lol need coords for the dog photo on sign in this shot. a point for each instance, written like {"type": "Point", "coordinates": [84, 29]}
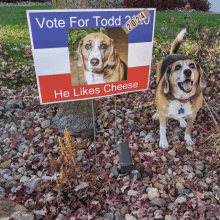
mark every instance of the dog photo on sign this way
{"type": "Point", "coordinates": [97, 55]}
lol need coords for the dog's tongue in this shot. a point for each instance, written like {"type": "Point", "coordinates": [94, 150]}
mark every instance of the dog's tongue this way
{"type": "Point", "coordinates": [187, 85]}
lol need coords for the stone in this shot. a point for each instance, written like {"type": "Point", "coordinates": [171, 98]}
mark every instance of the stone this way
{"type": "Point", "coordinates": [169, 171]}
{"type": "Point", "coordinates": [172, 153]}
{"type": "Point", "coordinates": [45, 124]}
{"type": "Point", "coordinates": [153, 193]}
{"type": "Point", "coordinates": [24, 179]}
{"type": "Point", "coordinates": [17, 177]}
{"type": "Point", "coordinates": [203, 185]}
{"type": "Point", "coordinates": [158, 214]}
{"type": "Point", "coordinates": [108, 165]}
{"type": "Point", "coordinates": [21, 149]}
{"type": "Point", "coordinates": [199, 173]}
{"type": "Point", "coordinates": [159, 186]}
{"type": "Point", "coordinates": [114, 170]}
{"type": "Point", "coordinates": [168, 217]}
{"type": "Point", "coordinates": [76, 117]}
{"type": "Point", "coordinates": [179, 186]}
{"type": "Point", "coordinates": [143, 133]}
{"type": "Point", "coordinates": [21, 170]}
{"type": "Point", "coordinates": [158, 202]}
{"type": "Point", "coordinates": [118, 216]}
{"type": "Point", "coordinates": [172, 206]}
{"type": "Point", "coordinates": [172, 192]}
{"type": "Point", "coordinates": [2, 192]}
{"type": "Point", "coordinates": [109, 215]}
{"type": "Point", "coordinates": [216, 190]}
{"type": "Point", "coordinates": [148, 138]}
{"type": "Point", "coordinates": [4, 171]}
{"type": "Point", "coordinates": [12, 103]}
{"type": "Point", "coordinates": [9, 208]}
{"type": "Point", "coordinates": [183, 191]}
{"type": "Point", "coordinates": [10, 184]}
{"type": "Point", "coordinates": [129, 217]}
{"type": "Point", "coordinates": [13, 128]}
{"type": "Point", "coordinates": [80, 152]}
{"type": "Point", "coordinates": [6, 164]}
{"type": "Point", "coordinates": [208, 180]}
{"type": "Point", "coordinates": [164, 159]}
{"type": "Point", "coordinates": [124, 210]}
{"type": "Point", "coordinates": [49, 131]}
{"type": "Point", "coordinates": [180, 200]}
{"type": "Point", "coordinates": [199, 165]}
{"type": "Point", "coordinates": [12, 153]}
{"type": "Point", "coordinates": [37, 129]}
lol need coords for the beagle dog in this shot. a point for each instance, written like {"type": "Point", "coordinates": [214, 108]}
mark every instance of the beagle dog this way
{"type": "Point", "coordinates": [98, 57]}
{"type": "Point", "coordinates": [180, 81]}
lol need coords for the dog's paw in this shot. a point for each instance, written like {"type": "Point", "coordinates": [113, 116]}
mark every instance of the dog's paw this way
{"type": "Point", "coordinates": [163, 143]}
{"type": "Point", "coordinates": [183, 123]}
{"type": "Point", "coordinates": [155, 116]}
{"type": "Point", "coordinates": [188, 140]}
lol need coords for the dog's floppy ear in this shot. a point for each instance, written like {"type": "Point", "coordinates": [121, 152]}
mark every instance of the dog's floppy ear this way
{"type": "Point", "coordinates": [202, 82]}
{"type": "Point", "coordinates": [111, 58]}
{"type": "Point", "coordinates": [80, 59]}
{"type": "Point", "coordinates": [166, 86]}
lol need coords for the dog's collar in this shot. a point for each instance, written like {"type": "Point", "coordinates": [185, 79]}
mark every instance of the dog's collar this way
{"type": "Point", "coordinates": [182, 100]}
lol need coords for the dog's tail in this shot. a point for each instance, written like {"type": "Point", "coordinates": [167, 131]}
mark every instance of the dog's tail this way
{"type": "Point", "coordinates": [177, 42]}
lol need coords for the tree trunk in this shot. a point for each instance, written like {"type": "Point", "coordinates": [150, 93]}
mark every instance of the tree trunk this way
{"type": "Point", "coordinates": [77, 115]}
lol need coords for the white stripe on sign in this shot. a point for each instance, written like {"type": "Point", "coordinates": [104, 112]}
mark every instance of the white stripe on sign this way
{"type": "Point", "coordinates": [51, 61]}
{"type": "Point", "coordinates": [139, 54]}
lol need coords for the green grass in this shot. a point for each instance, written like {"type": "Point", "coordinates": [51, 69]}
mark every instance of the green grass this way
{"type": "Point", "coordinates": [164, 20]}
{"type": "Point", "coordinates": [14, 33]}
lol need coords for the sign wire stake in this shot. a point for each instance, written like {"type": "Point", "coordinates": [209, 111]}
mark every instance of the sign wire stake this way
{"type": "Point", "coordinates": [94, 130]}
{"type": "Point", "coordinates": [115, 124]}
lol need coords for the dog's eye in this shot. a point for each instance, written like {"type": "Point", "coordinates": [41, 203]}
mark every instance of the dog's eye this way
{"type": "Point", "coordinates": [103, 46]}
{"type": "Point", "coordinates": [178, 67]}
{"type": "Point", "coordinates": [88, 46]}
{"type": "Point", "coordinates": [192, 65]}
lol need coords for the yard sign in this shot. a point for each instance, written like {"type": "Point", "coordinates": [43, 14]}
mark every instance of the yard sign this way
{"type": "Point", "coordinates": [49, 40]}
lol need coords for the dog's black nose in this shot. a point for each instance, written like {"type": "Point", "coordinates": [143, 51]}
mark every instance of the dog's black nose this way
{"type": "Point", "coordinates": [187, 72]}
{"type": "Point", "coordinates": [94, 62]}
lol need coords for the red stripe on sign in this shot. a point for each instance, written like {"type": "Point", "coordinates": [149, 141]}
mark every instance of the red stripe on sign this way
{"type": "Point", "coordinates": [56, 88]}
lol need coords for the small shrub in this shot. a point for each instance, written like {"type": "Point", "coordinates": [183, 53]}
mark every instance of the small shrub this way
{"type": "Point", "coordinates": [200, 5]}
{"type": "Point", "coordinates": [16, 1]}
{"type": "Point", "coordinates": [160, 5]}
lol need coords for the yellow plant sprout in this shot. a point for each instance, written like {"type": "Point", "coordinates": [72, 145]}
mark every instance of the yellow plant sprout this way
{"type": "Point", "coordinates": [52, 163]}
{"type": "Point", "coordinates": [68, 149]}
{"type": "Point", "coordinates": [61, 177]}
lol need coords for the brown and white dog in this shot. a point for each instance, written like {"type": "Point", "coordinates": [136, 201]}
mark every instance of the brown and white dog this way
{"type": "Point", "coordinates": [180, 81]}
{"type": "Point", "coordinates": [100, 60]}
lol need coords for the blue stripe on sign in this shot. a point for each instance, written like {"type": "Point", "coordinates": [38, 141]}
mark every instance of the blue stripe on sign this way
{"type": "Point", "coordinates": [49, 29]}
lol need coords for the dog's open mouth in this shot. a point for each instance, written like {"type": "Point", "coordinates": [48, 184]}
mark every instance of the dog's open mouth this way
{"type": "Point", "coordinates": [186, 86]}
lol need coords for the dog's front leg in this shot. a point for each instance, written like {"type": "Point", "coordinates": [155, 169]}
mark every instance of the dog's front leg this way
{"type": "Point", "coordinates": [188, 131]}
{"type": "Point", "coordinates": [163, 138]}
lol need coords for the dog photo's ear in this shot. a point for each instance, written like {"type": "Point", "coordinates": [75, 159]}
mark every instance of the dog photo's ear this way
{"type": "Point", "coordinates": [111, 58]}
{"type": "Point", "coordinates": [202, 82]}
{"type": "Point", "coordinates": [80, 59]}
{"type": "Point", "coordinates": [166, 80]}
